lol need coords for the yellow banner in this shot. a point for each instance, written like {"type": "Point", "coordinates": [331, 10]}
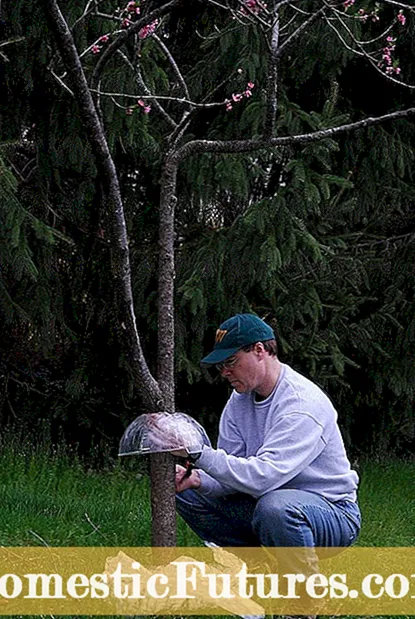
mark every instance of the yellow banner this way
{"type": "Point", "coordinates": [207, 581]}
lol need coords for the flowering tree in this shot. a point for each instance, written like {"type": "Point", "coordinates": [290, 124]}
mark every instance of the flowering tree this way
{"type": "Point", "coordinates": [136, 45]}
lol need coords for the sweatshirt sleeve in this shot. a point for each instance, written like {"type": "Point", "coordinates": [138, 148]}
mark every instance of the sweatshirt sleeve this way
{"type": "Point", "coordinates": [230, 440]}
{"type": "Point", "coordinates": [209, 486]}
{"type": "Point", "coordinates": [293, 442]}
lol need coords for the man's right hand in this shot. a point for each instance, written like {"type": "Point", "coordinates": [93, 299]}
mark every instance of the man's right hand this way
{"type": "Point", "coordinates": [183, 482]}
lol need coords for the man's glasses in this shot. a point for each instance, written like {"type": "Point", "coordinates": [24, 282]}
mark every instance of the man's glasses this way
{"type": "Point", "coordinates": [226, 365]}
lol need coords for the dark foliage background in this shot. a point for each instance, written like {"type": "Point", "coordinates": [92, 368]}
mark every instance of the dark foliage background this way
{"type": "Point", "coordinates": [318, 239]}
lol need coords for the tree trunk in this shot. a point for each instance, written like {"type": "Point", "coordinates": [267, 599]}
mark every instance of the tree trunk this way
{"type": "Point", "coordinates": [163, 498]}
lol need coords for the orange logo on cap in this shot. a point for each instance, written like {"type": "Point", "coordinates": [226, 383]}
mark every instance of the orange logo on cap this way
{"type": "Point", "coordinates": [220, 334]}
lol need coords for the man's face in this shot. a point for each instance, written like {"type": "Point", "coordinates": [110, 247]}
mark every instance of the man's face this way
{"type": "Point", "coordinates": [244, 370]}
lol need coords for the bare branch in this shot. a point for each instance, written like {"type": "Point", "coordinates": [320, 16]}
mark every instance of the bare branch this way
{"type": "Point", "coordinates": [339, 36]}
{"type": "Point", "coordinates": [177, 134]}
{"type": "Point", "coordinates": [143, 86]}
{"type": "Point", "coordinates": [90, 6]}
{"type": "Point", "coordinates": [11, 41]}
{"type": "Point", "coordinates": [288, 24]}
{"type": "Point", "coordinates": [126, 34]}
{"type": "Point", "coordinates": [174, 65]}
{"type": "Point", "coordinates": [254, 16]}
{"type": "Point", "coordinates": [365, 54]}
{"type": "Point", "coordinates": [339, 15]}
{"type": "Point", "coordinates": [160, 98]}
{"type": "Point", "coordinates": [272, 79]}
{"type": "Point", "coordinates": [400, 5]}
{"type": "Point", "coordinates": [221, 6]}
{"type": "Point", "coordinates": [299, 31]}
{"type": "Point", "coordinates": [246, 146]}
{"type": "Point", "coordinates": [284, 2]}
{"type": "Point", "coordinates": [61, 82]}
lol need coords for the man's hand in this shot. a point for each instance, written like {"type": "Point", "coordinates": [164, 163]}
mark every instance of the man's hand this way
{"type": "Point", "coordinates": [183, 482]}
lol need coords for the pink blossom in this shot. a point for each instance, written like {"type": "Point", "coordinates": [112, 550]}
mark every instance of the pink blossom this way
{"type": "Point", "coordinates": [248, 93]}
{"type": "Point", "coordinates": [145, 106]}
{"type": "Point", "coordinates": [104, 38]}
{"type": "Point", "coordinates": [228, 105]}
{"type": "Point", "coordinates": [129, 111]}
{"type": "Point", "coordinates": [253, 6]}
{"type": "Point", "coordinates": [148, 29]}
{"type": "Point", "coordinates": [131, 6]}
{"type": "Point", "coordinates": [125, 23]}
{"type": "Point", "coordinates": [401, 18]}
{"type": "Point", "coordinates": [375, 17]}
{"type": "Point", "coordinates": [138, 10]}
{"type": "Point", "coordinates": [250, 85]}
{"type": "Point", "coordinates": [348, 3]}
{"type": "Point", "coordinates": [95, 49]}
{"type": "Point", "coordinates": [397, 70]}
{"type": "Point", "coordinates": [236, 97]}
{"type": "Point", "coordinates": [390, 39]}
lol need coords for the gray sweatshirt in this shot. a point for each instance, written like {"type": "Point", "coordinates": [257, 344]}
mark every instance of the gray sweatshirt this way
{"type": "Point", "coordinates": [289, 440]}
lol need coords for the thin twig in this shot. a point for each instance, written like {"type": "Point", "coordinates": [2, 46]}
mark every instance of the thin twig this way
{"type": "Point", "coordinates": [95, 527]}
{"type": "Point", "coordinates": [126, 34]}
{"type": "Point", "coordinates": [39, 538]}
{"type": "Point", "coordinates": [299, 31]}
{"type": "Point", "coordinates": [339, 16]}
{"type": "Point", "coordinates": [61, 82]}
{"type": "Point", "coordinates": [142, 85]}
{"type": "Point", "coordinates": [173, 64]}
{"type": "Point", "coordinates": [159, 98]}
{"type": "Point", "coordinates": [364, 53]}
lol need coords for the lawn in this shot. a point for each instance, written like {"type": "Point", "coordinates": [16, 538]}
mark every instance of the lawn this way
{"type": "Point", "coordinates": [49, 497]}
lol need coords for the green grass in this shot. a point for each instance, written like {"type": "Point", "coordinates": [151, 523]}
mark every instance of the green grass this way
{"type": "Point", "coordinates": [49, 497]}
{"type": "Point", "coordinates": [387, 501]}
{"type": "Point", "coordinates": [48, 494]}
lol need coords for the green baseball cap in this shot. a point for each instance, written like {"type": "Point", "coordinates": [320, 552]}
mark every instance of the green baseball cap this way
{"type": "Point", "coordinates": [236, 332]}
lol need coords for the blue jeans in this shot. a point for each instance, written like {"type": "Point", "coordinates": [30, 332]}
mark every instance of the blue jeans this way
{"type": "Point", "coordinates": [280, 518]}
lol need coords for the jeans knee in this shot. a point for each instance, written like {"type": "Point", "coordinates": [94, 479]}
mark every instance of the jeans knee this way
{"type": "Point", "coordinates": [277, 521]}
{"type": "Point", "coordinates": [268, 511]}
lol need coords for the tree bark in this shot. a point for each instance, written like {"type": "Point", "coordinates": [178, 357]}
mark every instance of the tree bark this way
{"type": "Point", "coordinates": [163, 497]}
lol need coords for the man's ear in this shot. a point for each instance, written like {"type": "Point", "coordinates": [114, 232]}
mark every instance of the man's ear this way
{"type": "Point", "coordinates": [259, 350]}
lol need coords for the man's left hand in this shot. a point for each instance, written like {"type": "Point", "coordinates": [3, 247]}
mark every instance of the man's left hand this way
{"type": "Point", "coordinates": [184, 482]}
